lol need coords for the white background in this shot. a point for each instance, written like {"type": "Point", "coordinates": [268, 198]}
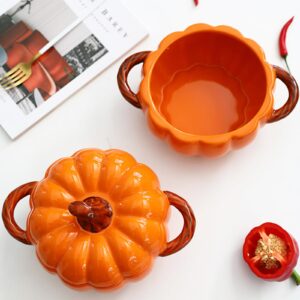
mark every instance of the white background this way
{"type": "Point", "coordinates": [229, 195]}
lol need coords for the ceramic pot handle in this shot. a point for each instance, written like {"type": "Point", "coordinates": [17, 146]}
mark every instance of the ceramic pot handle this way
{"type": "Point", "coordinates": [124, 70]}
{"type": "Point", "coordinates": [189, 225]}
{"type": "Point", "coordinates": [293, 89]}
{"type": "Point", "coordinates": [9, 208]}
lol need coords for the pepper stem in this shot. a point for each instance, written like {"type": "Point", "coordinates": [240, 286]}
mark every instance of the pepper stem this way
{"type": "Point", "coordinates": [287, 65]}
{"type": "Point", "coordinates": [295, 275]}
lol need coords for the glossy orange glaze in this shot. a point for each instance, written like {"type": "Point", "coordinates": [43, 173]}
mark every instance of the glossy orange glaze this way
{"type": "Point", "coordinates": [125, 249]}
{"type": "Point", "coordinates": [204, 100]}
{"type": "Point", "coordinates": [207, 89]}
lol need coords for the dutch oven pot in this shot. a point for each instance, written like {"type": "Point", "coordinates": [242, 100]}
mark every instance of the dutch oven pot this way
{"type": "Point", "coordinates": [98, 218]}
{"type": "Point", "coordinates": [207, 90]}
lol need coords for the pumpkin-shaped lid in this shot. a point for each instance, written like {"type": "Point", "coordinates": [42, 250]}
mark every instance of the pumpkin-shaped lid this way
{"type": "Point", "coordinates": [97, 218]}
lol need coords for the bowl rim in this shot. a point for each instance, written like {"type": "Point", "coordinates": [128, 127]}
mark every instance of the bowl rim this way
{"type": "Point", "coordinates": [160, 121]}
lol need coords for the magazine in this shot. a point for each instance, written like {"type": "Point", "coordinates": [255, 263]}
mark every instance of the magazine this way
{"type": "Point", "coordinates": [105, 33]}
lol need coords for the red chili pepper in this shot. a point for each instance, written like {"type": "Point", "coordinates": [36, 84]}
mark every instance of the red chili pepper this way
{"type": "Point", "coordinates": [196, 2]}
{"type": "Point", "coordinates": [282, 41]}
{"type": "Point", "coordinates": [271, 253]}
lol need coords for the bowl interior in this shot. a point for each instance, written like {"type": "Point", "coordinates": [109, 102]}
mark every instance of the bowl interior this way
{"type": "Point", "coordinates": [208, 83]}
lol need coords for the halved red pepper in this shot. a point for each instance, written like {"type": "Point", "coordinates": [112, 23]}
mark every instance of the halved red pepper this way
{"type": "Point", "coordinates": [271, 253]}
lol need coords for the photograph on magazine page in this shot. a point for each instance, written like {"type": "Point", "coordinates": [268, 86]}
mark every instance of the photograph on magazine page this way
{"type": "Point", "coordinates": [29, 26]}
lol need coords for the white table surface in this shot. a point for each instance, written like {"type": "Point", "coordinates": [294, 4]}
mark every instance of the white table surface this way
{"type": "Point", "coordinates": [229, 195]}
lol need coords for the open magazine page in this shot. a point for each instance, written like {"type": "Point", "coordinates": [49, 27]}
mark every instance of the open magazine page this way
{"type": "Point", "coordinates": [107, 31]}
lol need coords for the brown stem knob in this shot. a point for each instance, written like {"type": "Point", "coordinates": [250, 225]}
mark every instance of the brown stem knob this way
{"type": "Point", "coordinates": [93, 214]}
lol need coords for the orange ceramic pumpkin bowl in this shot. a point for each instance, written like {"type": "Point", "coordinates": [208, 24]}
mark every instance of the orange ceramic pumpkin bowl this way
{"type": "Point", "coordinates": [207, 90]}
{"type": "Point", "coordinates": [98, 218]}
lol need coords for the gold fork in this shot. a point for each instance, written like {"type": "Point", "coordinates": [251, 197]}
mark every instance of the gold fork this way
{"type": "Point", "coordinates": [22, 71]}
{"type": "Point", "coordinates": [19, 74]}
